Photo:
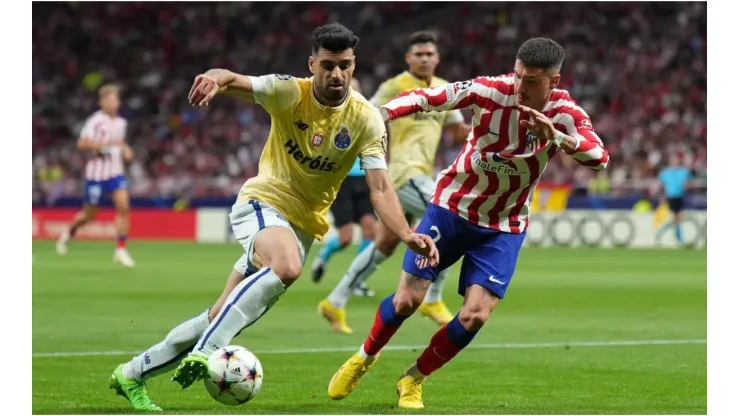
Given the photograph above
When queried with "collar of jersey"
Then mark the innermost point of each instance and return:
(420, 81)
(326, 107)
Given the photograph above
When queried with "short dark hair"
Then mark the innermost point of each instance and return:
(542, 53)
(333, 37)
(422, 37)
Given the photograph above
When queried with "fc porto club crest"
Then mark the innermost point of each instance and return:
(317, 139)
(342, 139)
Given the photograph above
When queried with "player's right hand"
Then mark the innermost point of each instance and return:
(424, 245)
(203, 90)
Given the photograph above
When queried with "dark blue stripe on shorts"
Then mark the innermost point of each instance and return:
(258, 211)
(228, 307)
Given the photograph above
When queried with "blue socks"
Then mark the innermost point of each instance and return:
(679, 234)
(676, 227)
(332, 246)
(388, 313)
(459, 336)
(363, 244)
(329, 249)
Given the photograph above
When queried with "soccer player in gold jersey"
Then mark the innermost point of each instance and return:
(414, 142)
(319, 127)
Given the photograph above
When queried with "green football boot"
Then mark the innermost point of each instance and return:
(192, 368)
(133, 390)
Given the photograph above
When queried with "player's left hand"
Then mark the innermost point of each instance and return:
(538, 123)
(424, 245)
(128, 153)
(203, 90)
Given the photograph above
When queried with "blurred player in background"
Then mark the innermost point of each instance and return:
(480, 208)
(319, 127)
(414, 142)
(352, 206)
(675, 179)
(103, 137)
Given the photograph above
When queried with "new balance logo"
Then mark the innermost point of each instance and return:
(301, 125)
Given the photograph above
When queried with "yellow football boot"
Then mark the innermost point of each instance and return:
(346, 378)
(336, 317)
(409, 392)
(437, 312)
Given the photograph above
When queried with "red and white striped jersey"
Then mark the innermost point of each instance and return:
(102, 128)
(492, 181)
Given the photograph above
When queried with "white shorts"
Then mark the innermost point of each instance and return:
(416, 194)
(249, 219)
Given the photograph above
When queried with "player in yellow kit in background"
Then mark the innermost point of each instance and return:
(319, 127)
(414, 142)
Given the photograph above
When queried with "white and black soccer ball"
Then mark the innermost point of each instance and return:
(234, 375)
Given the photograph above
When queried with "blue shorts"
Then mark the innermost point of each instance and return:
(95, 190)
(489, 256)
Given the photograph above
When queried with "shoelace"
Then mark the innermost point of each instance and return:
(414, 392)
(354, 365)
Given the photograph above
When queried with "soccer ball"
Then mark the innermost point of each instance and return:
(234, 375)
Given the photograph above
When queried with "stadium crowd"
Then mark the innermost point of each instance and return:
(639, 69)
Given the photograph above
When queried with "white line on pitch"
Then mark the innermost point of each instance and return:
(415, 347)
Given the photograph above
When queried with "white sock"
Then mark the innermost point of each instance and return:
(434, 294)
(367, 358)
(249, 300)
(359, 271)
(414, 372)
(164, 356)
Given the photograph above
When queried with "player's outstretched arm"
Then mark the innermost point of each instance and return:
(215, 81)
(452, 96)
(581, 142)
(386, 204)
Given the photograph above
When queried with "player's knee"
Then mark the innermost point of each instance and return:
(386, 244)
(345, 235)
(473, 319)
(287, 269)
(474, 315)
(89, 213)
(368, 225)
(404, 304)
(123, 210)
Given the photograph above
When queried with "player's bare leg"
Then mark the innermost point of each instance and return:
(337, 316)
(86, 215)
(369, 227)
(367, 262)
(679, 232)
(331, 246)
(446, 343)
(129, 379)
(333, 307)
(278, 257)
(393, 310)
(123, 208)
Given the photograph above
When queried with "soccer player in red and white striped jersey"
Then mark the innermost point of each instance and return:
(480, 209)
(103, 139)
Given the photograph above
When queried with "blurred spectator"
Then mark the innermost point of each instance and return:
(639, 69)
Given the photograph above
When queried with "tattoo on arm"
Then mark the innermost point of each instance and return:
(417, 284)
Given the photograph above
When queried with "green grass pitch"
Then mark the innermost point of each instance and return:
(546, 349)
